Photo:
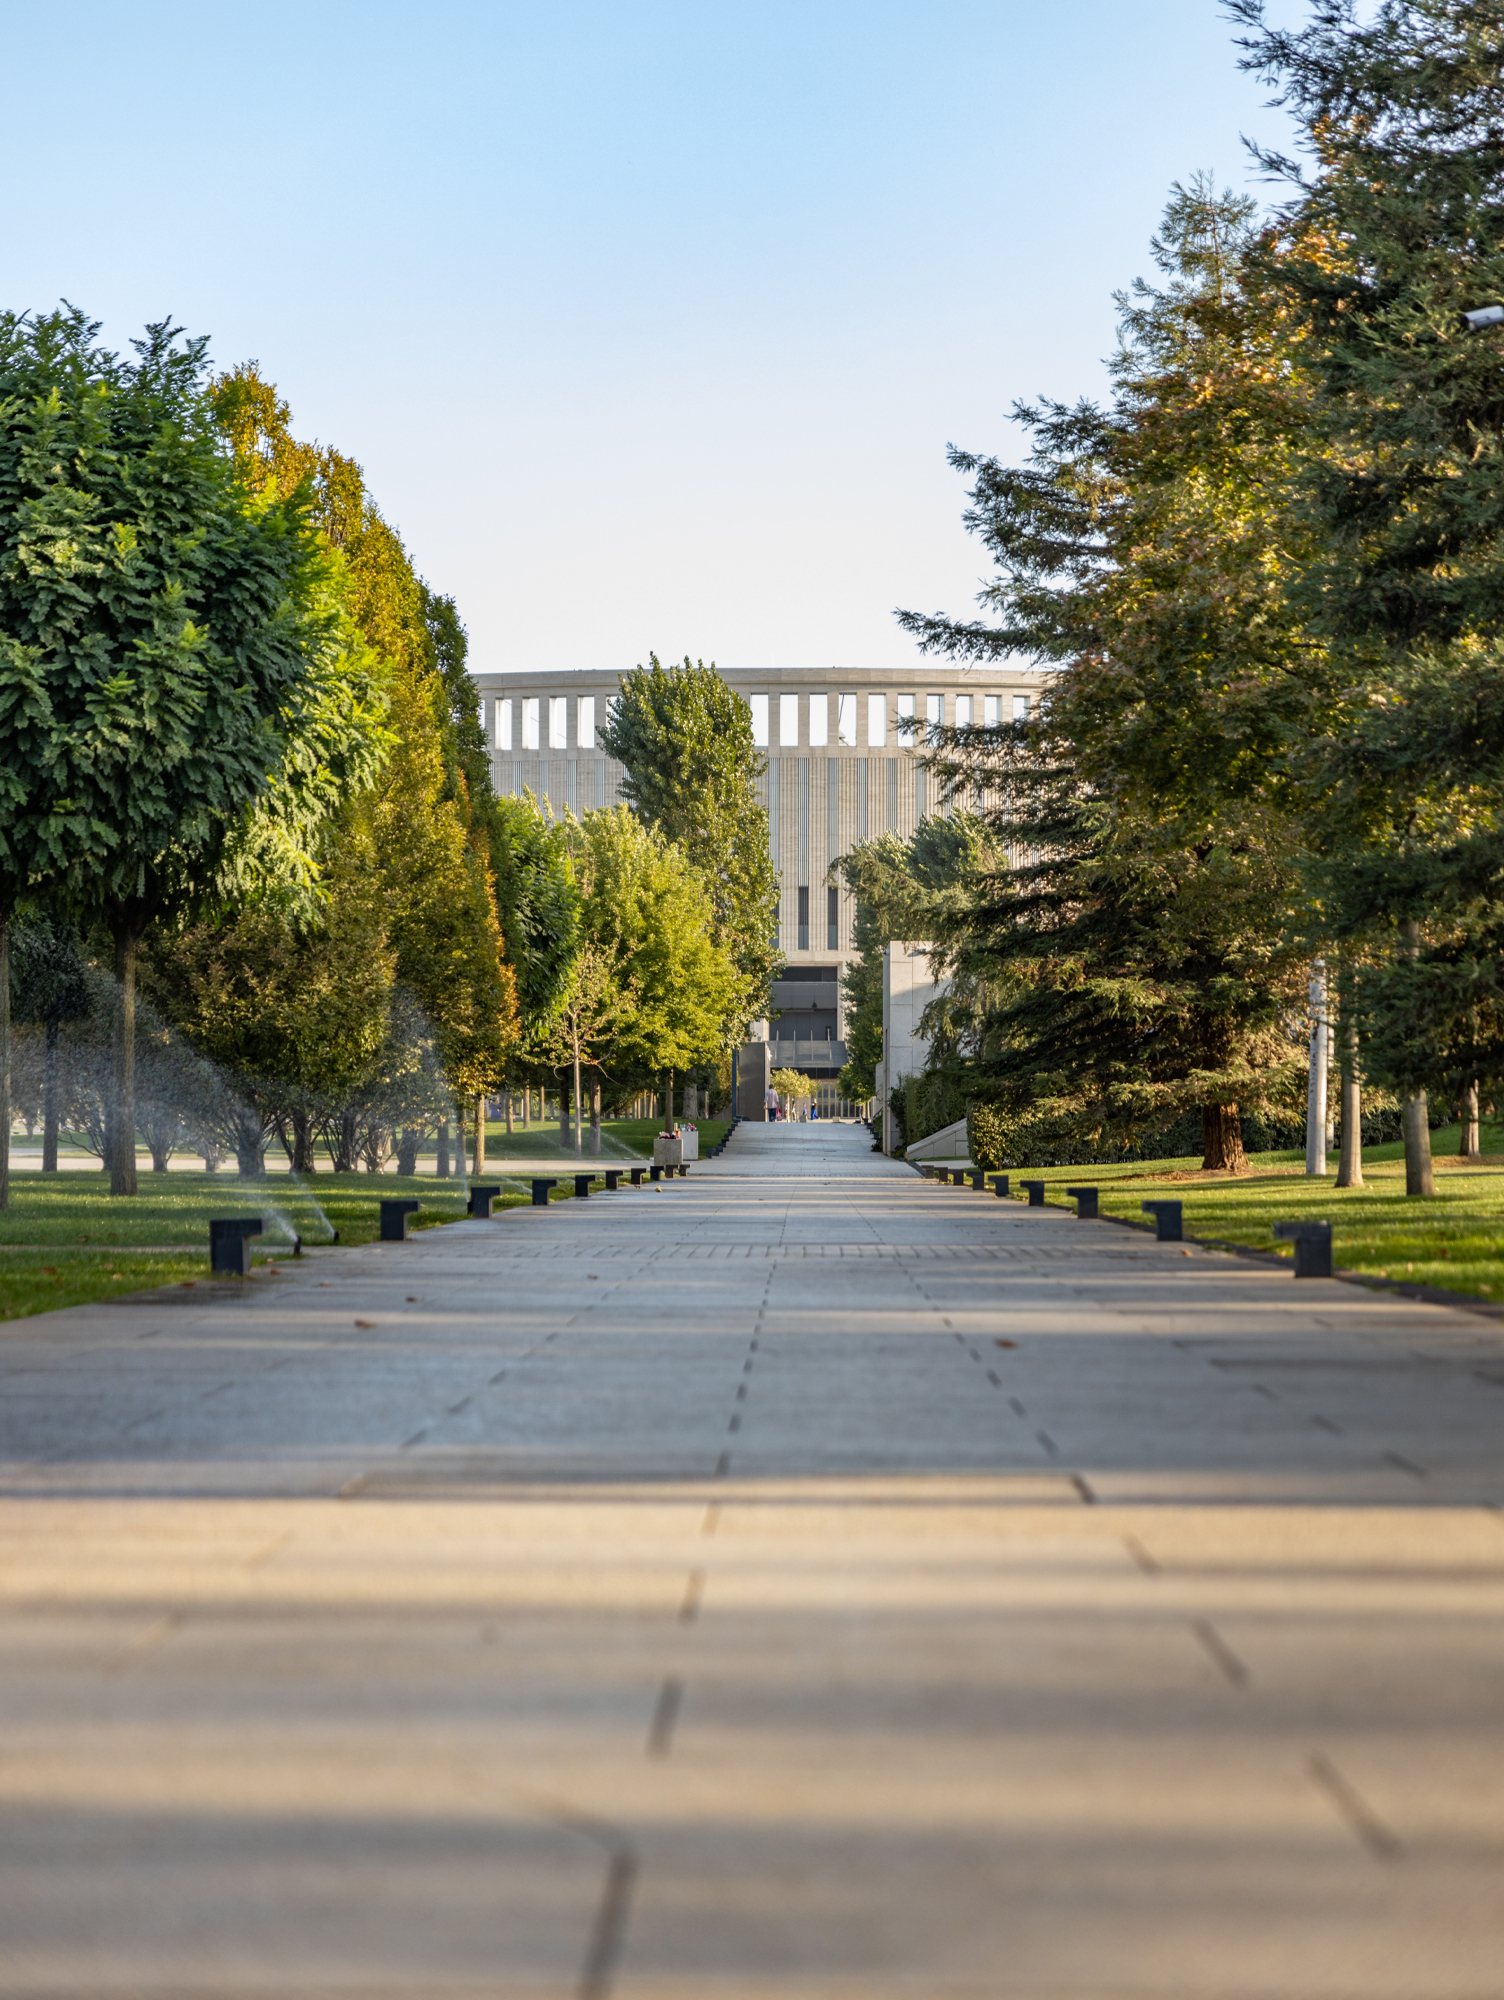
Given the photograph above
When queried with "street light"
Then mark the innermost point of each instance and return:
(1485, 316)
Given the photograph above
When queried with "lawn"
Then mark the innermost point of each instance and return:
(621, 1139)
(66, 1241)
(1454, 1240)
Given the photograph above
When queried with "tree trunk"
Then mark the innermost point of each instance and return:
(579, 1106)
(304, 1159)
(509, 1114)
(1419, 1178)
(123, 1136)
(49, 1103)
(1222, 1140)
(407, 1150)
(250, 1147)
(1470, 1147)
(441, 1147)
(1316, 1076)
(459, 1141)
(1350, 1163)
(564, 1113)
(595, 1114)
(479, 1164)
(4, 1062)
(527, 1108)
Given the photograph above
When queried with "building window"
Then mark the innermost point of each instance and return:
(788, 722)
(804, 919)
(558, 721)
(1020, 708)
(934, 713)
(992, 710)
(832, 919)
(585, 722)
(504, 724)
(905, 713)
(530, 722)
(963, 711)
(846, 720)
(759, 720)
(877, 721)
(819, 721)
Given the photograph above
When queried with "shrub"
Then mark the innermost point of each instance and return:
(986, 1136)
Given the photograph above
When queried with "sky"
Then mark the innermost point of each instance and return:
(649, 323)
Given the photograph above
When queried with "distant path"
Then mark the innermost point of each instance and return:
(797, 1583)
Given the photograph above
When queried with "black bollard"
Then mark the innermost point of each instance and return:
(1313, 1247)
(582, 1185)
(979, 1179)
(1035, 1192)
(480, 1202)
(1085, 1199)
(1167, 1219)
(999, 1185)
(655, 1173)
(394, 1216)
(637, 1174)
(540, 1192)
(230, 1244)
(613, 1175)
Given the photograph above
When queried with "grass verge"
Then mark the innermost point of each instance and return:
(1454, 1240)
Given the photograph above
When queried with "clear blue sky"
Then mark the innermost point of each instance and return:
(649, 322)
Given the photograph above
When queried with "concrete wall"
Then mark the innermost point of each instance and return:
(909, 985)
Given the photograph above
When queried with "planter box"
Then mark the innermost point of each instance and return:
(675, 1152)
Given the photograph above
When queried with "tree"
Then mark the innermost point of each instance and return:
(1149, 934)
(684, 739)
(174, 657)
(647, 916)
(1396, 230)
(48, 985)
(290, 1002)
(429, 811)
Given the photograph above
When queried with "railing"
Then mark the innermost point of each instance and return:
(798, 1053)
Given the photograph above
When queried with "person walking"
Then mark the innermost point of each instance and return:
(770, 1104)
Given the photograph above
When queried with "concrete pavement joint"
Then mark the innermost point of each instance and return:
(1354, 1809)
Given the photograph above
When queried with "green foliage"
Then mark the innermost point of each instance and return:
(646, 914)
(684, 738)
(538, 906)
(794, 1085)
(1141, 955)
(168, 645)
(1395, 229)
(986, 1136)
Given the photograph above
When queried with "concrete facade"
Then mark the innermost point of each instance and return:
(909, 986)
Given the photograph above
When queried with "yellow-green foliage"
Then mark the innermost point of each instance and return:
(428, 871)
(986, 1136)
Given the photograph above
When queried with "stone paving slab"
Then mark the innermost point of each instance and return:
(800, 1581)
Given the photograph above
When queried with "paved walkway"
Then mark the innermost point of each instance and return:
(799, 1583)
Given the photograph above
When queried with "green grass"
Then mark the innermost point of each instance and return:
(621, 1139)
(1454, 1240)
(41, 1280)
(66, 1241)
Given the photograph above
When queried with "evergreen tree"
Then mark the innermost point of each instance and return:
(684, 738)
(1148, 938)
(1396, 230)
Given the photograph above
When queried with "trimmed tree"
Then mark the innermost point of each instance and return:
(175, 658)
(684, 739)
